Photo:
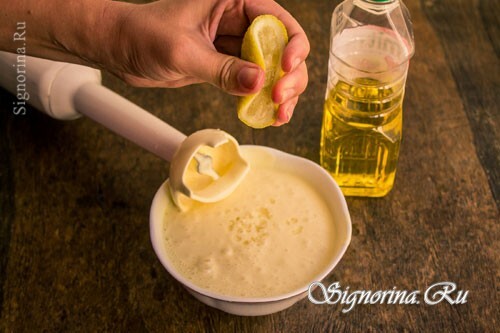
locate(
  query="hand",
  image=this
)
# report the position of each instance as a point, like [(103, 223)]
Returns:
[(168, 43), (173, 43)]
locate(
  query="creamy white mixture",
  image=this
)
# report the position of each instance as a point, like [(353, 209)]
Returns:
[(274, 234)]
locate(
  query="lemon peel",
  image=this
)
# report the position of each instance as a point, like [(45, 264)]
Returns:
[(263, 44)]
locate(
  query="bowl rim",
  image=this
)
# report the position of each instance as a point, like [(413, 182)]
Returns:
[(155, 227)]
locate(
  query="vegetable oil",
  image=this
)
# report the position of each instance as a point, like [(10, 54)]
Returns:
[(370, 48), (361, 136)]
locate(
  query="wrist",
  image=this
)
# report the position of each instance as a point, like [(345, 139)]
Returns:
[(88, 32), (82, 31)]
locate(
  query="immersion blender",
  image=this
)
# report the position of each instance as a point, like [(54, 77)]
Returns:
[(66, 91)]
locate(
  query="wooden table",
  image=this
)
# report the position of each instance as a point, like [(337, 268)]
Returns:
[(75, 253)]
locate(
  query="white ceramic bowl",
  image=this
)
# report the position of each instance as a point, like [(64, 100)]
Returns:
[(309, 171)]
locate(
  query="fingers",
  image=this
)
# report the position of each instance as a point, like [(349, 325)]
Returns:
[(137, 81), (295, 53), (233, 19), (287, 90), (298, 46), (229, 45), (229, 73), (294, 82), (291, 84), (285, 111)]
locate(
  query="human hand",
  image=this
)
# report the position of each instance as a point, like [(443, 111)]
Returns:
[(172, 43)]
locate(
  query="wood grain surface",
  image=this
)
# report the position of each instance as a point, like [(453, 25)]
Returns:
[(75, 253)]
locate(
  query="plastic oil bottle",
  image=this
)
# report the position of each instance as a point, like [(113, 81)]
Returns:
[(370, 48)]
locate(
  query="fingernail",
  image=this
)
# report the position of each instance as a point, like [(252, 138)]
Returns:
[(248, 77)]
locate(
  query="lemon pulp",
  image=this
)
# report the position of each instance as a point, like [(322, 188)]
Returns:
[(263, 44)]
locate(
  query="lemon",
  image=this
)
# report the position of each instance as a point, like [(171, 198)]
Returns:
[(263, 45)]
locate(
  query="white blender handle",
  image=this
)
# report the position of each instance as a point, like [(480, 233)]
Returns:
[(64, 91)]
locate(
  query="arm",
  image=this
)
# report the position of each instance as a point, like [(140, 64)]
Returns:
[(70, 31), (167, 43)]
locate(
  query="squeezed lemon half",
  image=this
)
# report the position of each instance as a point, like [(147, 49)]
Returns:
[(263, 44)]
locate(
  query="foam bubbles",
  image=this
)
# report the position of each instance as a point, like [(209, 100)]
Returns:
[(272, 235)]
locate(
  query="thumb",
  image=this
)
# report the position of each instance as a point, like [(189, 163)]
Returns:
[(229, 73)]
